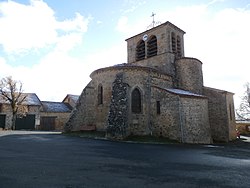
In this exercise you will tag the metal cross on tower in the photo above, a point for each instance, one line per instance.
(153, 15)
(154, 23)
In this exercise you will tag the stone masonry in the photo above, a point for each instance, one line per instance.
(118, 112)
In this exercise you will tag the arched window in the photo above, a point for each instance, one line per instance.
(152, 46)
(140, 50)
(100, 94)
(136, 101)
(173, 40)
(179, 46)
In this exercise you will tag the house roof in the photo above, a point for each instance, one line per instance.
(73, 97)
(31, 99)
(55, 107)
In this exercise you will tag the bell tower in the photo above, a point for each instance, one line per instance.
(157, 47)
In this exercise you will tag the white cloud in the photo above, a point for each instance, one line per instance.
(131, 5)
(27, 27)
(122, 25)
(5, 69)
(99, 22)
(130, 27)
(59, 74)
(76, 24)
(68, 41)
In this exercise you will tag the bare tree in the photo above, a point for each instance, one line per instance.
(11, 91)
(243, 112)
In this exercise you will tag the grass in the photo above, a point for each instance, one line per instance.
(131, 138)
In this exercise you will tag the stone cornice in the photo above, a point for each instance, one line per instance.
(126, 66)
(189, 58)
(218, 90)
(162, 25)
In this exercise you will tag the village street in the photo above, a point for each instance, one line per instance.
(38, 159)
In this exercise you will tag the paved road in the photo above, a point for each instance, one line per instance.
(53, 160)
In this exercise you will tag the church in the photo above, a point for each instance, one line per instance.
(158, 92)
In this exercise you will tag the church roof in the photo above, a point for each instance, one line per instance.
(161, 25)
(184, 93)
(180, 92)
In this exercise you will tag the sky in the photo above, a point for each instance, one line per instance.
(52, 46)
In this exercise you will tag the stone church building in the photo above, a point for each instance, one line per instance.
(157, 92)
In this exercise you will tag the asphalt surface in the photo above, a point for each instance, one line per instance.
(37, 159)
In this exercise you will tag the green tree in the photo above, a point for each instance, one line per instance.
(243, 112)
(11, 91)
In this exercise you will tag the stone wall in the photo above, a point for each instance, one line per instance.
(189, 75)
(163, 62)
(118, 111)
(83, 114)
(181, 118)
(195, 120)
(89, 112)
(219, 104)
(167, 122)
(6, 110)
(231, 115)
(134, 77)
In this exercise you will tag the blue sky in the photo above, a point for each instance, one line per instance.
(52, 46)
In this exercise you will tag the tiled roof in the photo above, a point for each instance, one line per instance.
(55, 107)
(31, 99)
(183, 92)
(73, 97)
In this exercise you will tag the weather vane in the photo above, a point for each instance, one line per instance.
(154, 23)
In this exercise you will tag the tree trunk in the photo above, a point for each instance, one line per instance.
(13, 125)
